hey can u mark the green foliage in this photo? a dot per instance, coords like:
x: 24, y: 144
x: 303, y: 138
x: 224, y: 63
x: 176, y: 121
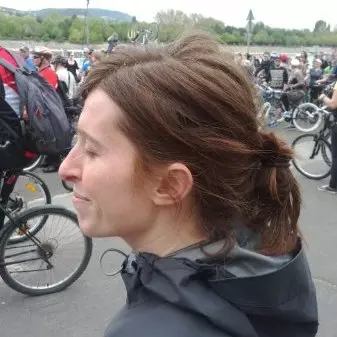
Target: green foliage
x: 171, y: 24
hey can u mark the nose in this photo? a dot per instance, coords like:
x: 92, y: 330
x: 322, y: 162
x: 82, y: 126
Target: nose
x: 70, y: 168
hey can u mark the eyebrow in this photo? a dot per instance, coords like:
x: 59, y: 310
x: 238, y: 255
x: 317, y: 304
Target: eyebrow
x: 87, y: 136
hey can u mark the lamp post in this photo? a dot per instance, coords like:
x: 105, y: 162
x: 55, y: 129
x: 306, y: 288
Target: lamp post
x: 86, y: 28
x: 250, y: 19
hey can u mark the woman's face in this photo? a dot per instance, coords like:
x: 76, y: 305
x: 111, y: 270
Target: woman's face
x: 37, y: 60
x: 102, y: 167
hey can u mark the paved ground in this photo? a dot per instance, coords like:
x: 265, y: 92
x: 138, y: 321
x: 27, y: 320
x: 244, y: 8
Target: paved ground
x: 85, y: 308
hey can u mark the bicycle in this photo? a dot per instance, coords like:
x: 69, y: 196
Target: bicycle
x: 275, y: 112
x: 24, y: 194
x: 144, y: 35
x: 272, y: 104
x: 311, y: 113
x: 23, y: 262
x: 313, y: 155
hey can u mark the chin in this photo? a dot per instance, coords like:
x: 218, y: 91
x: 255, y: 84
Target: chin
x: 87, y: 228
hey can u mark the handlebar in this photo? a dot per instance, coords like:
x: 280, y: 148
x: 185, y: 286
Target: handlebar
x: 267, y: 88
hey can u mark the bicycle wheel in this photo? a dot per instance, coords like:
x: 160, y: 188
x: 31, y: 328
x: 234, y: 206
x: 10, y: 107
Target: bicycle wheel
x: 152, y: 31
x: 29, y: 191
x: 313, y: 156
x: 307, y: 117
x: 67, y: 185
x: 36, y: 267
x: 35, y: 164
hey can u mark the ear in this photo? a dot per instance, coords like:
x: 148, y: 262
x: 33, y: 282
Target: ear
x: 174, y: 185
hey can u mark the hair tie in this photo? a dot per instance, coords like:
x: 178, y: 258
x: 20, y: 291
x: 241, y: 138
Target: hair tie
x: 279, y: 162
x: 270, y: 156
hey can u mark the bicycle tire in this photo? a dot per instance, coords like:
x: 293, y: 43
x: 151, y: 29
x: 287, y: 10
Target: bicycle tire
x: 154, y: 31
x: 315, y: 110
x: 66, y: 186
x: 35, y: 164
x: 326, y: 146
x: 59, y: 286
x: 47, y: 194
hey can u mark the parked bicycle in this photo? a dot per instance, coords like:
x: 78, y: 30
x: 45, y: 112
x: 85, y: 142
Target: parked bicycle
x: 313, y: 151
x: 42, y: 249
x: 29, y: 190
x: 144, y: 35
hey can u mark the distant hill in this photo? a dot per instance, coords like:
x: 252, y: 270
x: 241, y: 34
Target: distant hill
x: 92, y: 12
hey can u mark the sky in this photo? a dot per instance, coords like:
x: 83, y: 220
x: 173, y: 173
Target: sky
x: 296, y: 14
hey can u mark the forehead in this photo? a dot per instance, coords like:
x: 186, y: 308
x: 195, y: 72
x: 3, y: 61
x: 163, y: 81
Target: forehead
x: 100, y: 114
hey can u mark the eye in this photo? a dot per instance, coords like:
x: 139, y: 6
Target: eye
x: 91, y: 153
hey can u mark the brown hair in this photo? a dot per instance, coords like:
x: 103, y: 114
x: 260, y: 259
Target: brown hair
x: 99, y: 56
x: 190, y: 102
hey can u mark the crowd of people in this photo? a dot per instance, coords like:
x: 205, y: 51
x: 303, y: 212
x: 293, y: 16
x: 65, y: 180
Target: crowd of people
x: 63, y: 73
x: 261, y: 66
x: 294, y: 74
x: 297, y: 78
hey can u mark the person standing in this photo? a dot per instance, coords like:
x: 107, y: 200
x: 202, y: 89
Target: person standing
x: 42, y: 57
x: 42, y: 60
x: 29, y: 62
x: 332, y: 104
x: 277, y: 77
x: 170, y: 157
x: 315, y: 74
x: 72, y: 65
x: 66, y: 78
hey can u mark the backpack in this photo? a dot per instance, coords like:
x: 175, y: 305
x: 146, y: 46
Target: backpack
x: 47, y: 129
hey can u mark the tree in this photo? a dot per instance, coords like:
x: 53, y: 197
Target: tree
x: 171, y: 24
x: 320, y: 27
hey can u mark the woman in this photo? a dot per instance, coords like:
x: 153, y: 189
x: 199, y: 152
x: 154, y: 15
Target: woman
x: 332, y: 104
x: 72, y: 66
x: 170, y: 158
x: 294, y: 91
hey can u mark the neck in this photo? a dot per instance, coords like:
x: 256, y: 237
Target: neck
x: 43, y: 66
x: 166, y: 237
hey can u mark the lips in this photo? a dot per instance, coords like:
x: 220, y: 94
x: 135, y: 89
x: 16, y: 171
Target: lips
x: 80, y: 196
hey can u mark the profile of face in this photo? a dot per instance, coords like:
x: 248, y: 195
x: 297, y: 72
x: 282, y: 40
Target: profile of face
x: 109, y: 198
x: 37, y: 59
x: 277, y: 62
x: 24, y: 53
x: 93, y: 59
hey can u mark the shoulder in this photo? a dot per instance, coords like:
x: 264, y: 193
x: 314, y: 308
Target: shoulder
x: 162, y: 320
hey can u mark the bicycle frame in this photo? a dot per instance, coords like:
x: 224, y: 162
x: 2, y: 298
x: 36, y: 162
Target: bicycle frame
x: 329, y: 121
x: 7, y: 184
x: 35, y: 242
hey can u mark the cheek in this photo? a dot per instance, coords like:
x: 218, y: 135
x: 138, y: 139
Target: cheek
x: 107, y: 178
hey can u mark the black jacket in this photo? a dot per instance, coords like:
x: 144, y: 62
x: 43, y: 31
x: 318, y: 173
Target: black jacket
x: 265, y: 65
x: 188, y: 295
